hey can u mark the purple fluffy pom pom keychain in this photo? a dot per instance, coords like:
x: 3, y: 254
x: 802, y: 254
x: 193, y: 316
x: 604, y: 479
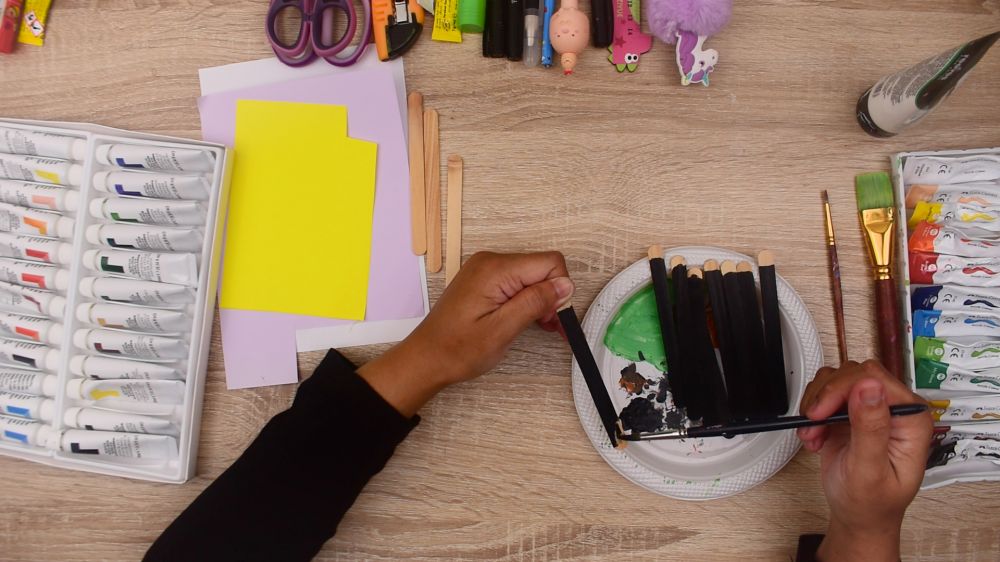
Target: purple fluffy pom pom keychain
x: 688, y: 23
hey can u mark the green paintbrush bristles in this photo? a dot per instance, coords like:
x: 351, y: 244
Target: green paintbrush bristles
x: 873, y: 190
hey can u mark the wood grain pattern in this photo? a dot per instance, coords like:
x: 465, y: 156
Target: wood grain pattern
x: 418, y: 201
x: 598, y: 165
x: 455, y: 186
x: 432, y: 186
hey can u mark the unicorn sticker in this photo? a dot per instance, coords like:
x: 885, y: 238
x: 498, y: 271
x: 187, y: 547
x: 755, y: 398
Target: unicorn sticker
x: 694, y: 63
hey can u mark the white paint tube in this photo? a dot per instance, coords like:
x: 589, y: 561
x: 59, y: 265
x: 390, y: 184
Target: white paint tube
x: 148, y: 211
x: 112, y: 391
x: 137, y: 446
x: 104, y: 420
x: 941, y: 376
x: 955, y: 323
x: 984, y: 194
x: 134, y: 291
x: 18, y: 220
x: 972, y: 356
x: 27, y: 406
x: 140, y: 237
x: 100, y: 368
x: 951, y: 169
x: 41, y: 330
x: 158, y: 158
x: 967, y: 408
x: 957, y: 215
x: 30, y: 355
x: 39, y: 196
x: 160, y: 186
x: 135, y: 318
x: 177, y: 268
x: 965, y: 450
x: 131, y: 345
x: 33, y: 274
x: 36, y: 143
x: 31, y: 301
x: 28, y: 382
x: 34, y: 248
x: 23, y: 431
x: 927, y: 237
x: 38, y: 168
x: 981, y: 430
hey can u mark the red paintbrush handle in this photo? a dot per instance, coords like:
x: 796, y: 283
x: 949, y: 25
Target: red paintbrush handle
x: 887, y: 319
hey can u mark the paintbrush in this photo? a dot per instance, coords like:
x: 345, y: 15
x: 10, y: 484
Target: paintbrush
x: 775, y: 371
x: 665, y: 311
x: 591, y: 373
x: 761, y: 426
x: 838, y: 295
x: 878, y: 217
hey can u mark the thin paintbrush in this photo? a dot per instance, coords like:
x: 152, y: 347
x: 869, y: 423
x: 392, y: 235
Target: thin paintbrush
x: 665, y: 310
x: 761, y: 426
x: 878, y: 220
x: 838, y: 295
x: 591, y: 373
x: 770, y: 307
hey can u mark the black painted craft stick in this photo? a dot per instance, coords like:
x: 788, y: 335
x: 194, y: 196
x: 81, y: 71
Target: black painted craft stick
x: 707, y: 383
x: 723, y: 328
x: 763, y: 401
x: 775, y: 371
x: 679, y: 384
x: 665, y: 311
x: 740, y: 385
x: 591, y: 373
x: 761, y: 426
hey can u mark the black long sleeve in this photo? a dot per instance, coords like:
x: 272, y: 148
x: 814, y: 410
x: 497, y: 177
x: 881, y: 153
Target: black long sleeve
x: 283, y: 498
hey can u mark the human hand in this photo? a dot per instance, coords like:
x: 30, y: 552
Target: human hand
x: 488, y: 304
x: 872, y: 468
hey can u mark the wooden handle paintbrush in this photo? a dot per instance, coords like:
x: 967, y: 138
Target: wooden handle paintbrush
x: 835, y: 287
x: 878, y: 220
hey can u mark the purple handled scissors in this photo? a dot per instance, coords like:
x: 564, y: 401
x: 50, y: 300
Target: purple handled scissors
x: 315, y: 36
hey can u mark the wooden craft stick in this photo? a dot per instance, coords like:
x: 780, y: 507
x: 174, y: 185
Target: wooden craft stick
x: 432, y: 184
x: 454, y: 256
x: 418, y: 213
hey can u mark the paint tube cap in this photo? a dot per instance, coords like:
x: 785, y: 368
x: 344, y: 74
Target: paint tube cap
x: 83, y: 312
x: 57, y: 306
x: 47, y: 410
x: 50, y: 385
x: 49, y: 438
x: 64, y: 227
x: 100, y: 181
x: 87, y: 287
x: 75, y: 175
x: 71, y: 200
x: 102, y: 154
x: 52, y: 360
x: 70, y: 416
x: 74, y: 389
x: 93, y: 233
x: 76, y: 365
x: 64, y: 254
x: 62, y: 280
x: 78, y: 149
x: 80, y: 338
x: 90, y: 260
x: 55, y: 335
x: 97, y: 207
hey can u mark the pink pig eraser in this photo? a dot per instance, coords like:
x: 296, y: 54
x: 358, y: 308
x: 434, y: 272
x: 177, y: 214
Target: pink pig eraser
x: 569, y: 33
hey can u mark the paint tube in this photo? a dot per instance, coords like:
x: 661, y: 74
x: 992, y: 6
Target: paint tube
x: 961, y: 215
x: 151, y: 238
x: 37, y: 168
x: 136, y: 318
x: 33, y: 274
x: 941, y: 376
x: 967, y: 408
x: 159, y: 158
x: 104, y: 420
x: 138, y: 446
x: 39, y: 196
x: 28, y: 382
x: 927, y: 237
x: 28, y: 406
x: 938, y: 269
x: 110, y: 391
x: 951, y: 169
x: 980, y: 430
x: 23, y: 431
x: 901, y: 99
x: 179, y: 268
x: 128, y: 344
x: 955, y: 297
x: 974, y: 356
x: 18, y: 220
x: 148, y: 211
x: 133, y: 291
x: 984, y: 194
x: 100, y: 368
x: 35, y: 143
x: 32, y: 328
x: 964, y: 450
x: 26, y: 354
x: 31, y: 301
x: 34, y: 248
x: 955, y: 323
x: 161, y: 186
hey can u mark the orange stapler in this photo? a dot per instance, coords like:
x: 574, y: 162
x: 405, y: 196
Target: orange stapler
x: 396, y: 26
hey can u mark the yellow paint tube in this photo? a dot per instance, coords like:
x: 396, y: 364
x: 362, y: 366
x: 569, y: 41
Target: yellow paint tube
x: 446, y: 21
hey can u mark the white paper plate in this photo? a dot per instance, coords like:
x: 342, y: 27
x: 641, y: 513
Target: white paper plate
x: 694, y: 469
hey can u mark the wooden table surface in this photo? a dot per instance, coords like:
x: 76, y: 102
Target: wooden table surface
x: 597, y: 165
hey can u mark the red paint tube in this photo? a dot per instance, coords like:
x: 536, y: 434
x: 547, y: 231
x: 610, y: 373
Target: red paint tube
x: 10, y: 20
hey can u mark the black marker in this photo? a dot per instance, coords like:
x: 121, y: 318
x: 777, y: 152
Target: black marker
x: 515, y: 29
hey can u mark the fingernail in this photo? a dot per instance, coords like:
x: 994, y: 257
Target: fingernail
x: 564, y: 289
x: 871, y: 394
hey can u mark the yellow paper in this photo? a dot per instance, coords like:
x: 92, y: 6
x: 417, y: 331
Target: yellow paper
x: 298, y: 237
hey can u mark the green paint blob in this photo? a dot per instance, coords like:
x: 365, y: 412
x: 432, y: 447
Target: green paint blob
x: 634, y: 332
